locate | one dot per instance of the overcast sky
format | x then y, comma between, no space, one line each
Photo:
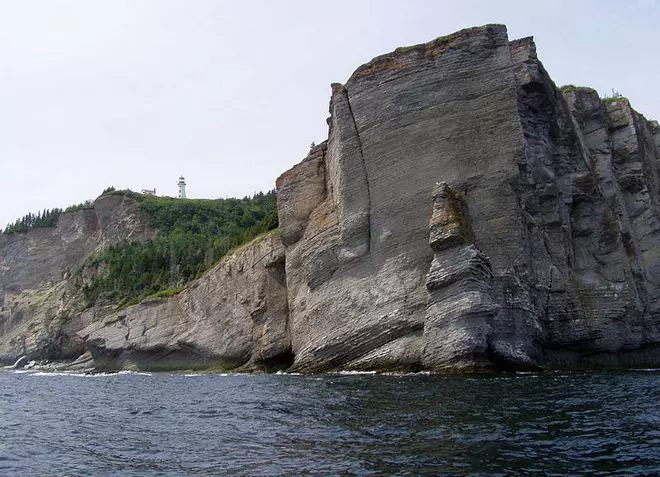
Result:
231,93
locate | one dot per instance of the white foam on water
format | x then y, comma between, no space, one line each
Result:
58,373
351,373
284,373
137,373
79,374
527,374
406,373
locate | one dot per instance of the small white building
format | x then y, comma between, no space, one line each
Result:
182,187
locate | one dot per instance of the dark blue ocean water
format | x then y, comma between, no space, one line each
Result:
285,425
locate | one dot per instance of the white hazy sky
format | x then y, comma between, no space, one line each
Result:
231,93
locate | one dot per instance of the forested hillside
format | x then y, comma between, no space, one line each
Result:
192,235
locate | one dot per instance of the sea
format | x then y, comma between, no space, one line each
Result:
160,424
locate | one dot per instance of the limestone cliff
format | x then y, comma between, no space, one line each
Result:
541,249
233,316
463,215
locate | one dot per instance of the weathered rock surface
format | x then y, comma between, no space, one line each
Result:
543,234
464,215
591,199
460,310
234,316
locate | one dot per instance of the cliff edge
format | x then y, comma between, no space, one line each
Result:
464,215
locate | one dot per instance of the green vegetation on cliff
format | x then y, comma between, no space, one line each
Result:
192,235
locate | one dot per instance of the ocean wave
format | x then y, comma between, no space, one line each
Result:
78,374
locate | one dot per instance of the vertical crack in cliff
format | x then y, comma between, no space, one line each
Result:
346,165
363,164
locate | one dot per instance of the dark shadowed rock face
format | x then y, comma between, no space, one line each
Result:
464,216
590,194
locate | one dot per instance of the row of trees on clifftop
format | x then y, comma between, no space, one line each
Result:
47,218
44,219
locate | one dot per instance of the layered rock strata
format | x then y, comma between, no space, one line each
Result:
460,309
464,215
589,194
543,248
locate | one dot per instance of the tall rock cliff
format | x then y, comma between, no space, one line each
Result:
465,216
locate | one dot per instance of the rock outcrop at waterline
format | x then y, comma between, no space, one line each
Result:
463,215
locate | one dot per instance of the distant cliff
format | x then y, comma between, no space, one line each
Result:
464,215
40,310
122,249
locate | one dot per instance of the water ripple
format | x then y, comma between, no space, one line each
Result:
343,424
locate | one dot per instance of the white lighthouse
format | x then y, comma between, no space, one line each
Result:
182,187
